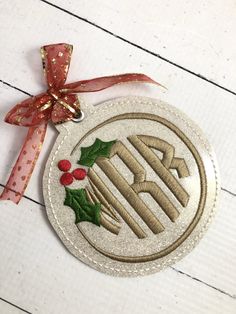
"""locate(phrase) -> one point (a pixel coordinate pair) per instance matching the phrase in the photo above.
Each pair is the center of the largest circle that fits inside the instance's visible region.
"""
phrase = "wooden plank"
(196, 35)
(210, 107)
(212, 261)
(37, 273)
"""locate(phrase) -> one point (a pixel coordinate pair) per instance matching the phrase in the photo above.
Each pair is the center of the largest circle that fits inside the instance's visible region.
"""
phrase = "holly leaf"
(91, 153)
(84, 210)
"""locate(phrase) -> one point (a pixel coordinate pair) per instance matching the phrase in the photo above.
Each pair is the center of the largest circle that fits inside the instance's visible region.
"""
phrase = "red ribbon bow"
(58, 104)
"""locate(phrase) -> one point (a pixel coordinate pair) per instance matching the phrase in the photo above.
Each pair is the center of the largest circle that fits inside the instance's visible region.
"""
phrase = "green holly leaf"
(91, 153)
(84, 210)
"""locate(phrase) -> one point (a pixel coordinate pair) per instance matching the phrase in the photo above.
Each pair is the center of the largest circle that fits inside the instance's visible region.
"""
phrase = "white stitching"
(194, 240)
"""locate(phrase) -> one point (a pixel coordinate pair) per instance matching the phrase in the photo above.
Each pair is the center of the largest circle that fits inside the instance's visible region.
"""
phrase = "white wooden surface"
(37, 275)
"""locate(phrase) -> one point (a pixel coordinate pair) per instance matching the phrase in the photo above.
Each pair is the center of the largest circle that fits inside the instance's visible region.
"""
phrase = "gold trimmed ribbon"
(59, 104)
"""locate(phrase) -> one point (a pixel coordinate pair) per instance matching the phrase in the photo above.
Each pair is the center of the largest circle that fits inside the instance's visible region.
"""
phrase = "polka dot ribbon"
(59, 104)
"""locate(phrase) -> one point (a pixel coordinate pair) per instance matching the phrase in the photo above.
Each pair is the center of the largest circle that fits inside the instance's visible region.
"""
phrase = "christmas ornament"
(131, 185)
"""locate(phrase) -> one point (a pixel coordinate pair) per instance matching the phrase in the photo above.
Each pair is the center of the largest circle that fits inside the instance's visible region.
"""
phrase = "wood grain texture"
(33, 261)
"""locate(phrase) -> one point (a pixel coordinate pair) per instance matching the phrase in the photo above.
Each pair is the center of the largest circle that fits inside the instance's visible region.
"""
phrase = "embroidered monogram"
(151, 177)
(143, 144)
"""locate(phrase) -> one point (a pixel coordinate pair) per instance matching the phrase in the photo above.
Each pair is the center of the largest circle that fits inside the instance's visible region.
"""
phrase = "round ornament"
(145, 186)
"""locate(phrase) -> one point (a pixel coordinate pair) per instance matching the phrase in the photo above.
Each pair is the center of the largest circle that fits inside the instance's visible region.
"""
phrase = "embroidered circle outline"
(203, 180)
(153, 266)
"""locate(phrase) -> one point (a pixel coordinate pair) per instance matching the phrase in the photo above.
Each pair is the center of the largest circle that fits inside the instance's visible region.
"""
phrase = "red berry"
(66, 178)
(64, 165)
(79, 173)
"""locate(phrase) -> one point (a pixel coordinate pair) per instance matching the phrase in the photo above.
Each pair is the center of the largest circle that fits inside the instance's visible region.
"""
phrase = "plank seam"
(25, 196)
(16, 88)
(18, 307)
(228, 191)
(233, 296)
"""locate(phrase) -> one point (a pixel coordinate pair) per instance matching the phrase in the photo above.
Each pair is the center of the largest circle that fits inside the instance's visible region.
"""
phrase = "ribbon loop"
(58, 104)
(56, 62)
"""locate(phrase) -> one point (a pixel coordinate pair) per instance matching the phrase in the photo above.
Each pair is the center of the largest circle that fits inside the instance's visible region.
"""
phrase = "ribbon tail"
(24, 166)
(100, 83)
